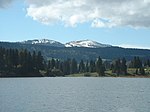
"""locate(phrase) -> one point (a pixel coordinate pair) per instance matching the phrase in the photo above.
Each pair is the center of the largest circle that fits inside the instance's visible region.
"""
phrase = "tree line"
(22, 63)
(71, 66)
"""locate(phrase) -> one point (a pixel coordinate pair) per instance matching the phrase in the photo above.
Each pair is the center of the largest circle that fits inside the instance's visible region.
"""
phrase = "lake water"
(74, 94)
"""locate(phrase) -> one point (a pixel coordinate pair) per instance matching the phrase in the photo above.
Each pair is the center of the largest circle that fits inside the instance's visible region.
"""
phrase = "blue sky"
(125, 24)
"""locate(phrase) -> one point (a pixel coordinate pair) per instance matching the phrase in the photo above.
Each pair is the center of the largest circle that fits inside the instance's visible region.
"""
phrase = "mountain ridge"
(80, 52)
(79, 43)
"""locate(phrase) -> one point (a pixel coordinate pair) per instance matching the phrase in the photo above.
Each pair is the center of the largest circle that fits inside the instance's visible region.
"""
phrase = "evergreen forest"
(24, 63)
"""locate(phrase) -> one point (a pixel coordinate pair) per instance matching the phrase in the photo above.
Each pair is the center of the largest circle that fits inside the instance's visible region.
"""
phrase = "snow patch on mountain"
(82, 43)
(46, 42)
(86, 43)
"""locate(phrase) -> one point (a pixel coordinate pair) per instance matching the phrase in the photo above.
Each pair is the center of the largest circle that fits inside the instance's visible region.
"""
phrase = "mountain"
(81, 43)
(45, 42)
(79, 53)
(86, 43)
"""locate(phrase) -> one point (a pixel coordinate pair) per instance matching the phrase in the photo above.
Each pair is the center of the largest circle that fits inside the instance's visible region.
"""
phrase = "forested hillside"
(80, 52)
(24, 63)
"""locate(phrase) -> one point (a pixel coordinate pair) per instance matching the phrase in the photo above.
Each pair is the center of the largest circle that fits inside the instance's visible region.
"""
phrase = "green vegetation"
(88, 74)
(23, 63)
(63, 53)
(14, 63)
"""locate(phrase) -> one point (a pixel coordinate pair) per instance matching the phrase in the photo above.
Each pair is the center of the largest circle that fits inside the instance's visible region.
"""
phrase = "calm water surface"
(74, 95)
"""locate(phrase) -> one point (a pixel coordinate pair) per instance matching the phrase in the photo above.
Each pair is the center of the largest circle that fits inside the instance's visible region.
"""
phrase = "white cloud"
(97, 23)
(133, 13)
(5, 3)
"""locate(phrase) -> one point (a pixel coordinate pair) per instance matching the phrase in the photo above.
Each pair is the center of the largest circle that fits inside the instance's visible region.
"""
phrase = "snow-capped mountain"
(86, 43)
(46, 42)
(82, 43)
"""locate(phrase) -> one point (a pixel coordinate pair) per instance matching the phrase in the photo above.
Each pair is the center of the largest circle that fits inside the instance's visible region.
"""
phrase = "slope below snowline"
(80, 52)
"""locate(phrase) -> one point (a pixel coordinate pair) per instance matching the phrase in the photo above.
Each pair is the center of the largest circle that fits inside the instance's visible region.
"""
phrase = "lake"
(81, 94)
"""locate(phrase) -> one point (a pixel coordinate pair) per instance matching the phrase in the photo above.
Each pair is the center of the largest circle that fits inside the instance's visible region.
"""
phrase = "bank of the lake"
(108, 75)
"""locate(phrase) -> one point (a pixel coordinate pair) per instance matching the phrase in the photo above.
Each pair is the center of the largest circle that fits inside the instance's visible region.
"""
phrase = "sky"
(124, 23)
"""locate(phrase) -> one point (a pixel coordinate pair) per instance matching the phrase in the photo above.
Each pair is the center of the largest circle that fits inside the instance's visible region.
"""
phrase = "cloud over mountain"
(5, 3)
(100, 13)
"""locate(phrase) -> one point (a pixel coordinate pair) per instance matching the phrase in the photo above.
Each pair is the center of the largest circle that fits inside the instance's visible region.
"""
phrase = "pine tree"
(24, 67)
(87, 67)
(40, 61)
(100, 69)
(147, 63)
(117, 67)
(137, 63)
(81, 67)
(66, 67)
(123, 66)
(61, 66)
(49, 65)
(29, 63)
(142, 71)
(92, 66)
(34, 60)
(73, 66)
(52, 63)
(2, 61)
(57, 62)
(16, 57)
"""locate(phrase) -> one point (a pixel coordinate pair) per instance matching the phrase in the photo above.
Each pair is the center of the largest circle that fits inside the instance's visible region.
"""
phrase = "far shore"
(87, 77)
(75, 75)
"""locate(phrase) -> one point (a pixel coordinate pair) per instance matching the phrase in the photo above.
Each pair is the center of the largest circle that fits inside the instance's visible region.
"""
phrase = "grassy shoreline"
(106, 75)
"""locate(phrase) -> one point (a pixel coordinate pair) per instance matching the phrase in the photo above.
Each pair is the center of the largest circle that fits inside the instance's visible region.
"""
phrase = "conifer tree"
(142, 71)
(34, 60)
(16, 57)
(2, 61)
(92, 66)
(117, 67)
(73, 66)
(81, 67)
(40, 61)
(147, 63)
(123, 66)
(61, 66)
(57, 62)
(52, 63)
(49, 65)
(137, 63)
(66, 67)
(87, 67)
(100, 69)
